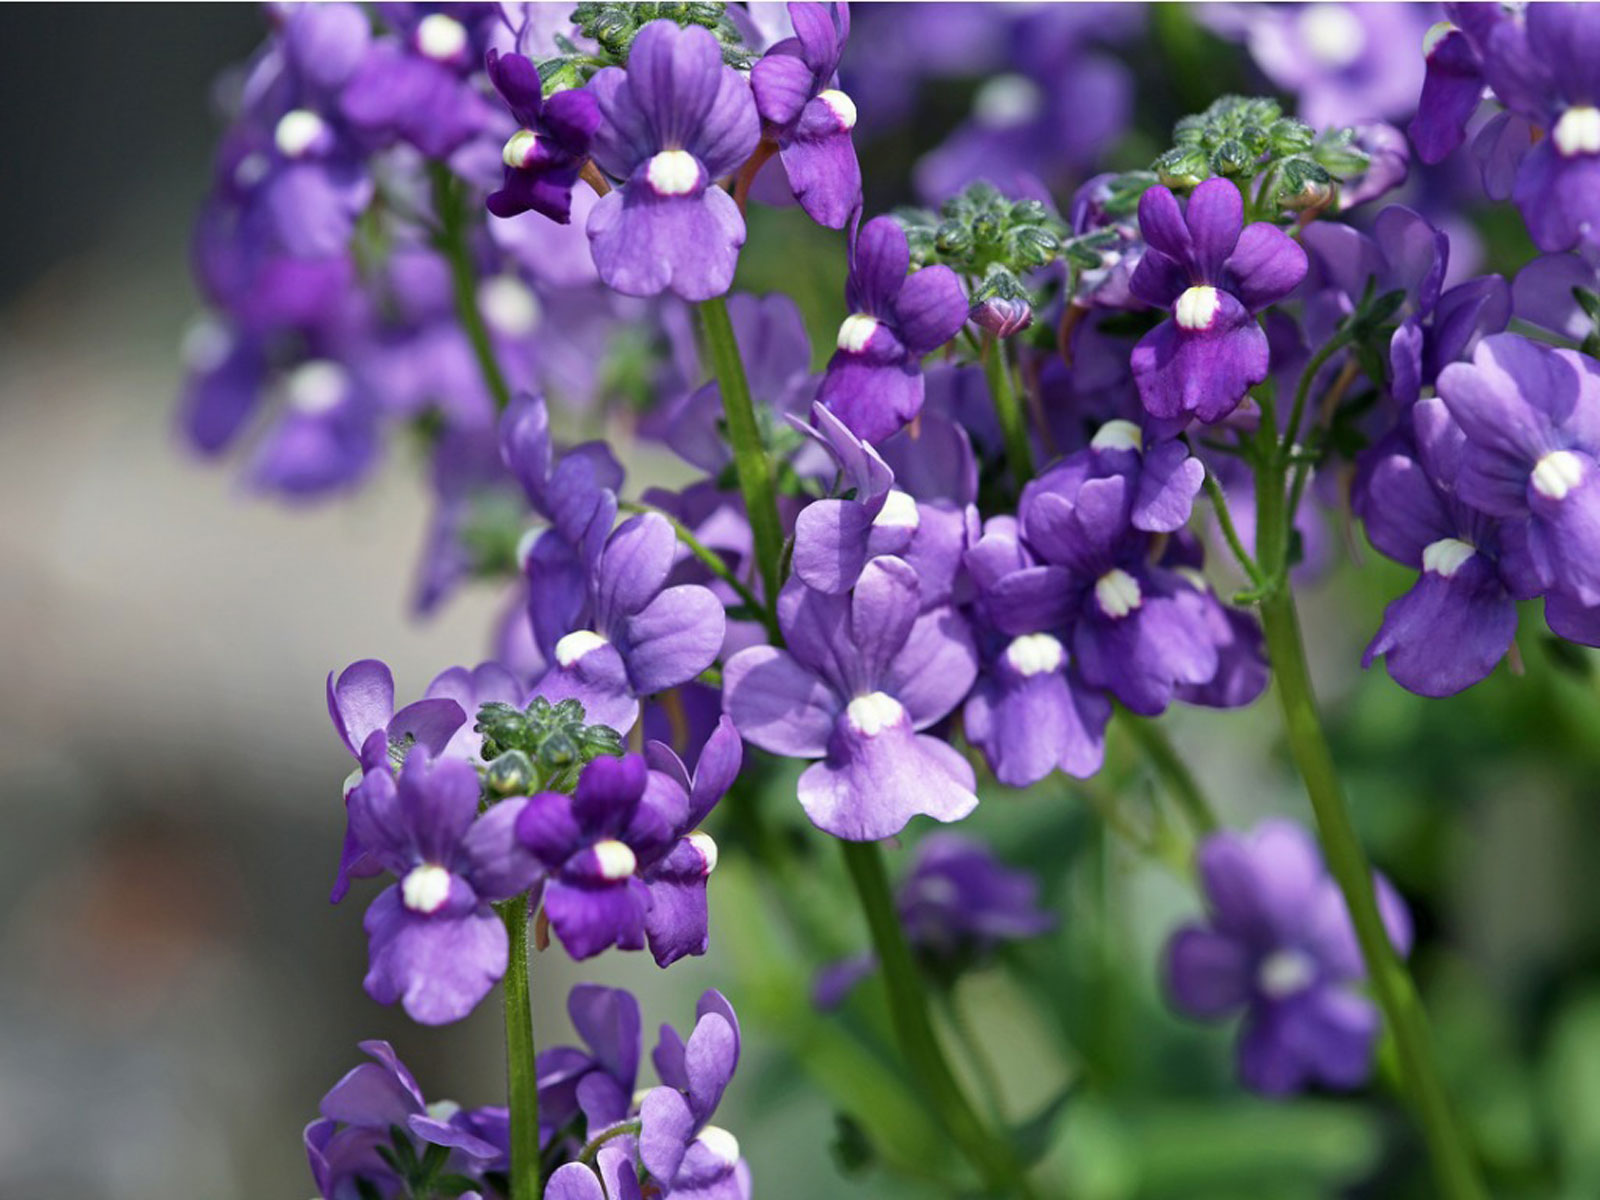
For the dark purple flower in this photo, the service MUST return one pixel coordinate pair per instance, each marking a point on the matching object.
(809, 118)
(1544, 292)
(436, 944)
(874, 379)
(862, 675)
(687, 1155)
(1215, 275)
(671, 124)
(543, 158)
(1452, 88)
(1280, 946)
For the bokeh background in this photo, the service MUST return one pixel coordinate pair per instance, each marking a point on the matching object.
(175, 992)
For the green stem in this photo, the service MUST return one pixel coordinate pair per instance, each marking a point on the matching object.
(977, 1058)
(1013, 423)
(1230, 532)
(1392, 985)
(520, 1052)
(710, 559)
(1175, 775)
(452, 240)
(1303, 390)
(750, 460)
(989, 1154)
(628, 1128)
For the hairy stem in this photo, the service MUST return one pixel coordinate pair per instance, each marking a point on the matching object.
(452, 240)
(520, 1052)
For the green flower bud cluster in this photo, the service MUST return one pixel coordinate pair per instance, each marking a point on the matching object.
(542, 746)
(979, 228)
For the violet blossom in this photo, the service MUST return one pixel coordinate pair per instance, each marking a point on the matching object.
(543, 157)
(678, 1145)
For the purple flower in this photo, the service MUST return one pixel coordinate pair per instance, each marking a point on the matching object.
(1280, 946)
(1452, 88)
(614, 1176)
(686, 1154)
(596, 1083)
(874, 379)
(863, 675)
(624, 858)
(810, 119)
(674, 122)
(1531, 416)
(436, 944)
(1214, 274)
(1544, 292)
(543, 158)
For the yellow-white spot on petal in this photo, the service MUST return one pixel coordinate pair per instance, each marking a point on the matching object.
(1332, 34)
(577, 644)
(1446, 556)
(440, 37)
(1436, 34)
(1557, 473)
(297, 131)
(519, 148)
(856, 332)
(1285, 972)
(707, 848)
(317, 386)
(1118, 435)
(1035, 654)
(1197, 308)
(509, 305)
(425, 888)
(1117, 593)
(614, 859)
(1577, 132)
(871, 714)
(899, 511)
(720, 1144)
(673, 173)
(841, 106)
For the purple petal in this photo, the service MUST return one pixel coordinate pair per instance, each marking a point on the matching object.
(1203, 373)
(1267, 265)
(871, 786)
(778, 704)
(678, 635)
(1208, 974)
(934, 669)
(633, 567)
(666, 1125)
(1215, 217)
(438, 967)
(878, 266)
(574, 1181)
(361, 702)
(499, 866)
(930, 309)
(608, 1021)
(646, 244)
(1161, 221)
(1446, 633)
(590, 919)
(823, 170)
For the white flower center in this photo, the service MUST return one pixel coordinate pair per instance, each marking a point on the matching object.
(1006, 101)
(1446, 556)
(1557, 473)
(441, 38)
(856, 332)
(425, 888)
(525, 544)
(1117, 593)
(509, 305)
(316, 387)
(1118, 435)
(1578, 131)
(519, 148)
(577, 644)
(899, 511)
(1436, 34)
(707, 848)
(614, 859)
(1285, 972)
(1332, 34)
(1035, 654)
(841, 106)
(871, 714)
(1197, 308)
(673, 173)
(297, 131)
(721, 1144)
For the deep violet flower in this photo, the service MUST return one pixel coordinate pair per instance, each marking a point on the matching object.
(1453, 85)
(542, 159)
(1280, 946)
(874, 379)
(863, 674)
(808, 116)
(1214, 274)
(671, 124)
(436, 944)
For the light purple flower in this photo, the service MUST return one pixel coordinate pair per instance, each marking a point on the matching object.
(436, 944)
(808, 116)
(596, 1083)
(874, 379)
(678, 1145)
(673, 123)
(1279, 945)
(863, 674)
(1215, 275)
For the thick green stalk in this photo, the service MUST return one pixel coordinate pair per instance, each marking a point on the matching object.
(1013, 423)
(913, 1027)
(453, 241)
(523, 1080)
(750, 460)
(1454, 1166)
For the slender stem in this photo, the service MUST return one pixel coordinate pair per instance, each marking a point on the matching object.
(449, 201)
(1307, 377)
(749, 456)
(524, 1084)
(627, 1129)
(1013, 424)
(991, 1155)
(1230, 532)
(1179, 781)
(1396, 993)
(709, 558)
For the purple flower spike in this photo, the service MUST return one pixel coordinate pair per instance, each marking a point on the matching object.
(810, 118)
(436, 944)
(863, 675)
(543, 158)
(671, 124)
(874, 380)
(1280, 946)
(677, 1144)
(1214, 275)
